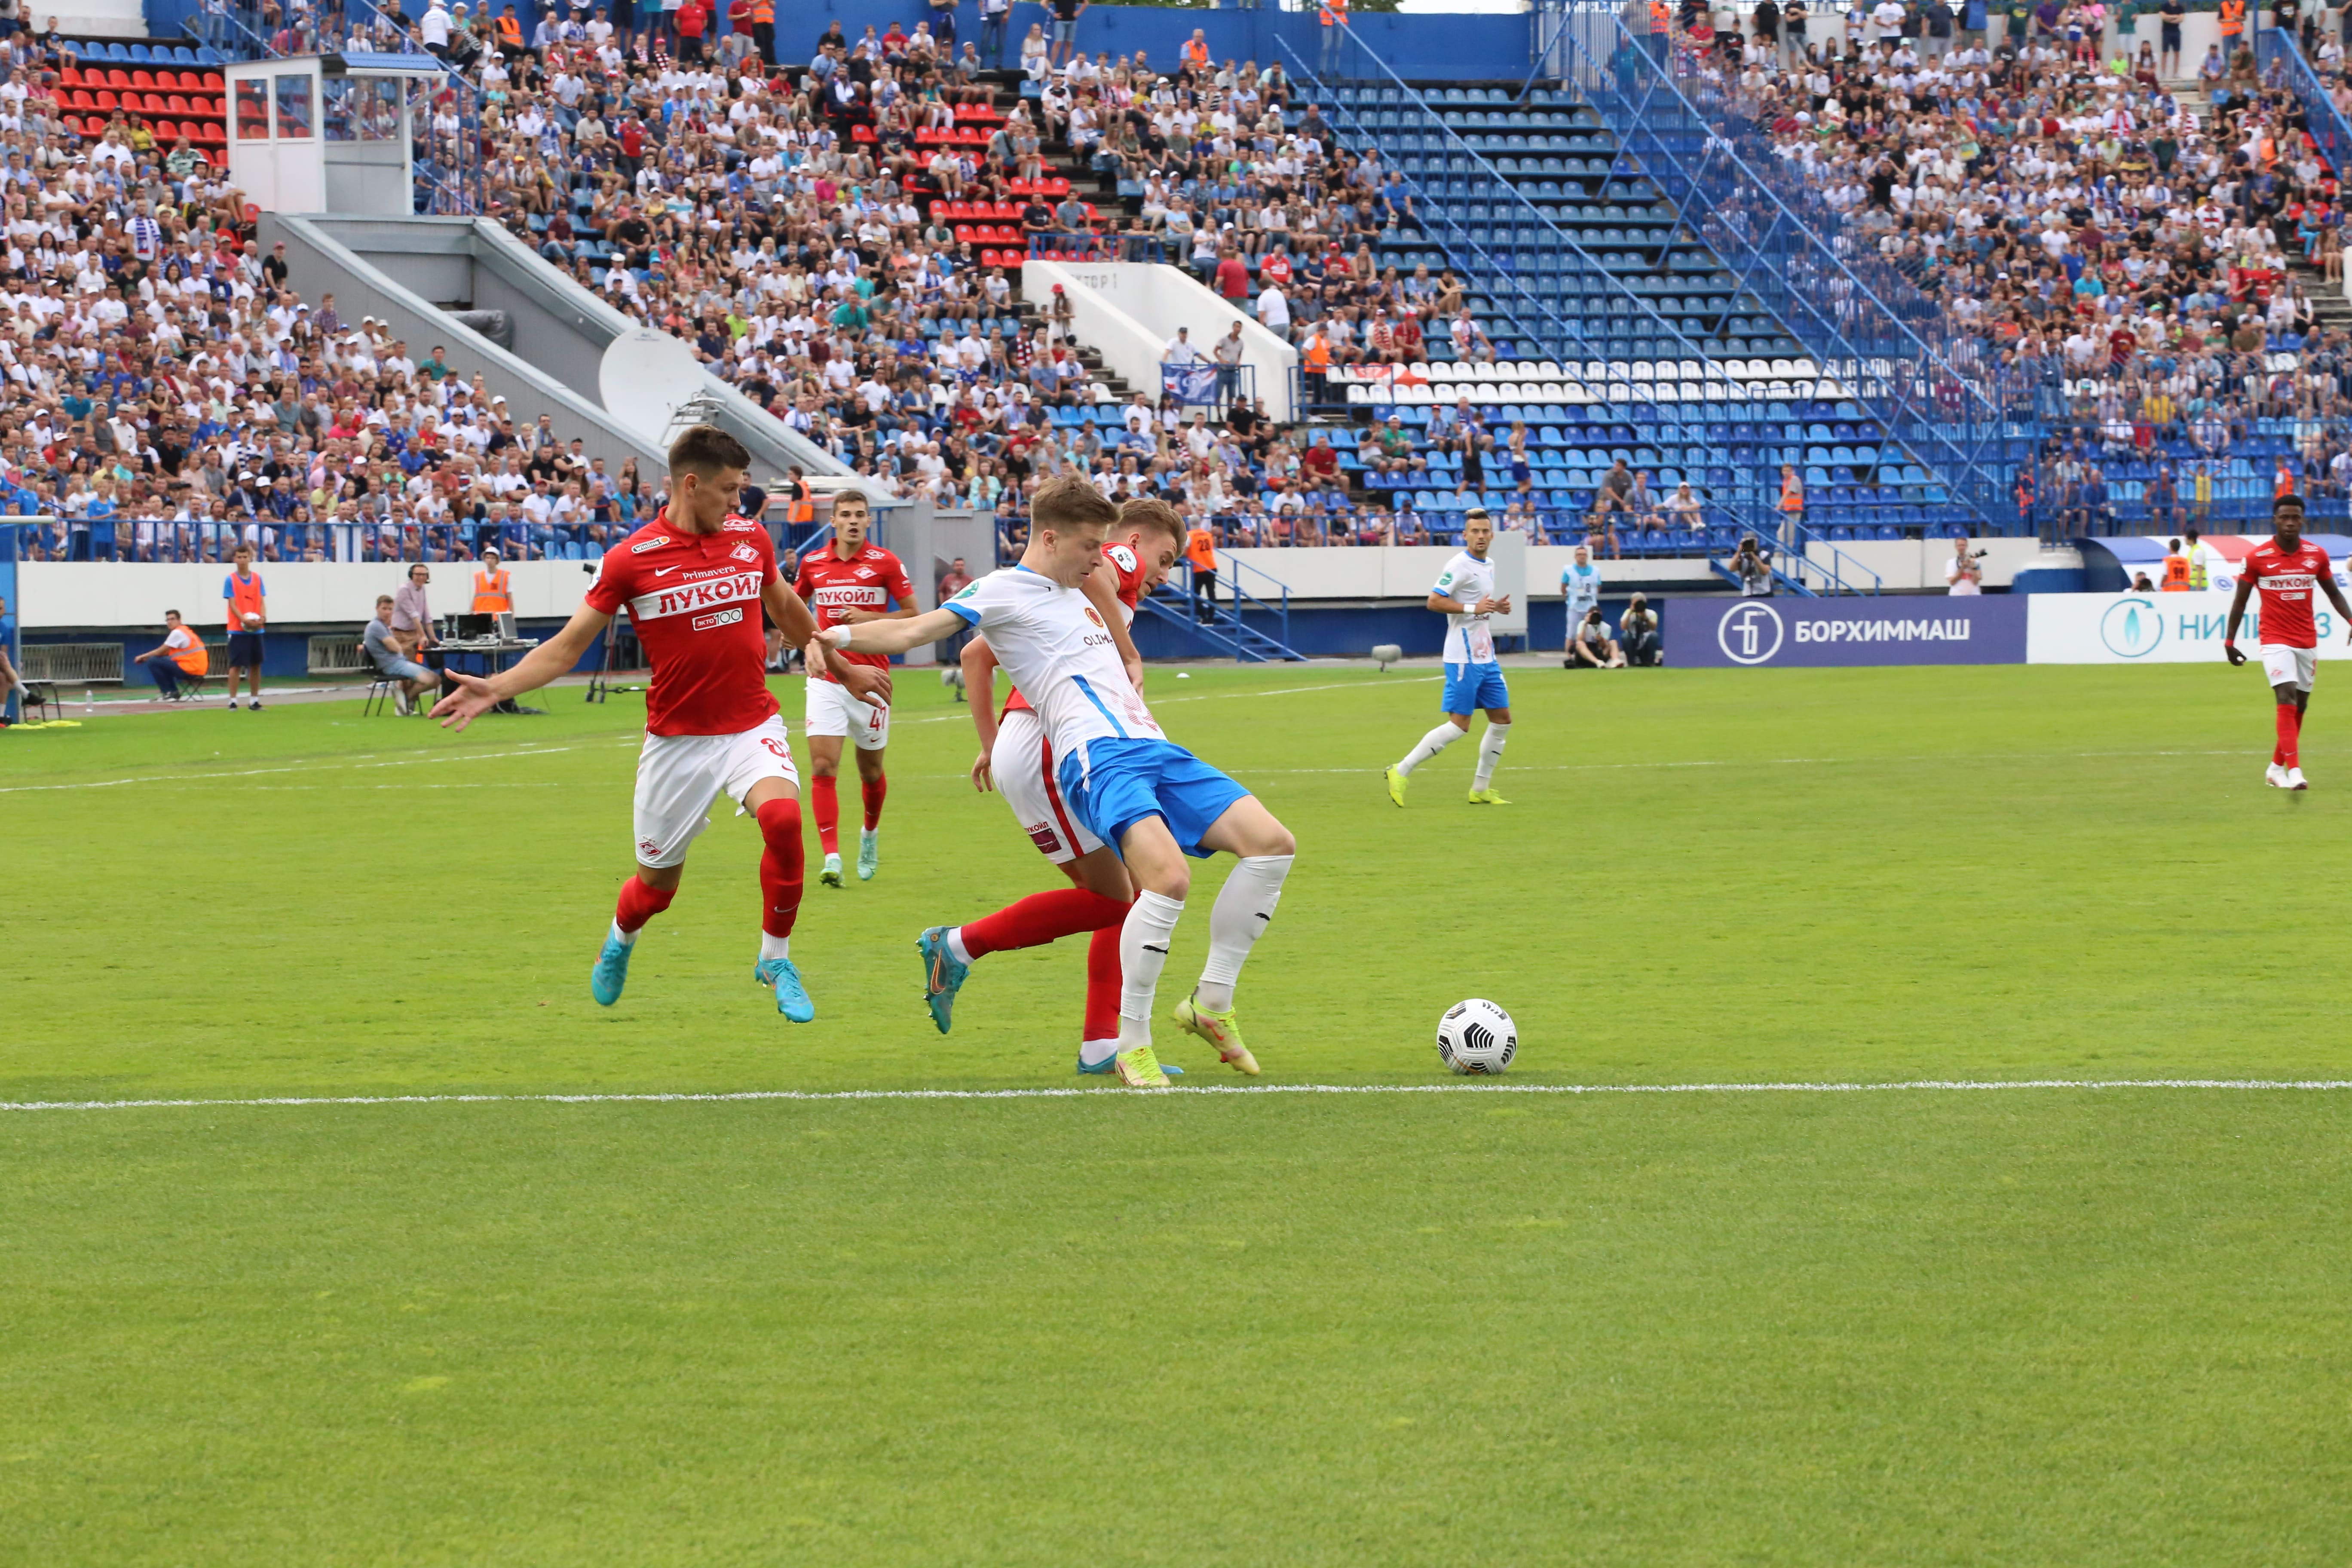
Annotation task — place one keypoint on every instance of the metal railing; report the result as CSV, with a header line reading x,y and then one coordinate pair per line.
x,y
125,539
1538,247
1933,385
2282,64
1207,385
1499,275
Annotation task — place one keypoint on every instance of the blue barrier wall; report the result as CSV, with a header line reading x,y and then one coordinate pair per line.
x,y
1432,49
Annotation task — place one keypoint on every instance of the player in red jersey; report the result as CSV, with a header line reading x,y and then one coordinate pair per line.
x,y
849,581
2286,570
1016,759
694,580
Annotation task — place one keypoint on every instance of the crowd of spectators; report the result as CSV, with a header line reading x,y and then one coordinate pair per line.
x,y
2136,272
840,238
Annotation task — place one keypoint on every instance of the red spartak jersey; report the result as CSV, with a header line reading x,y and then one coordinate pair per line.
x,y
870,580
694,602
2288,579
1127,567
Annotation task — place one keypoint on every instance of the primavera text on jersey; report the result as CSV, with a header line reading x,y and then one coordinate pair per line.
x,y
2288,579
694,602
870,580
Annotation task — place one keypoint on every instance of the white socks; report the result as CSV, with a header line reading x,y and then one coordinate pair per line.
x,y
1094,1053
1244,907
1490,752
1142,953
956,948
1437,740
626,938
774,947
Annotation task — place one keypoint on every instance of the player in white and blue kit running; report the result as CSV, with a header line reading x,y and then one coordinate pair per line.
x,y
1125,782
1465,595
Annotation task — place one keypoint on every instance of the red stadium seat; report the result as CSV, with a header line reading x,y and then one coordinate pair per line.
x,y
214,83
107,100
118,78
143,81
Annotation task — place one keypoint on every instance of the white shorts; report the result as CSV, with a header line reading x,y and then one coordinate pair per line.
x,y
831,710
2290,665
1024,763
679,775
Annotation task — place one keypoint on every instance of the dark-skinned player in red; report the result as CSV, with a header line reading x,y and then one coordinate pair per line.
x,y
2287,572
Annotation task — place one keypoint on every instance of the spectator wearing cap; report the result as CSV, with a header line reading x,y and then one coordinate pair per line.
x,y
493,585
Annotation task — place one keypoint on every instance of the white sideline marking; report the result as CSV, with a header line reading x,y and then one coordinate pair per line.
x,y
634,740
1914,1086
1369,684
322,768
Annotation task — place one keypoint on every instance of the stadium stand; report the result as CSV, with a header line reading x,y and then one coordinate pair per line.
x,y
1941,287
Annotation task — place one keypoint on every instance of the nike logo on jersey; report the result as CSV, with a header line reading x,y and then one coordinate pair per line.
x,y
664,570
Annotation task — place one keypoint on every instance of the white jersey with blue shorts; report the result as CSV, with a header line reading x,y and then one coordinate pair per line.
x,y
1474,678
1114,765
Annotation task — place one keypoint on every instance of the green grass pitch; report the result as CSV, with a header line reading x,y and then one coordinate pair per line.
x,y
2048,1325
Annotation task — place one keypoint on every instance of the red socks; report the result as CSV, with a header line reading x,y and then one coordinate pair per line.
x,y
1042,918
874,789
1103,974
824,804
640,904
779,866
2289,732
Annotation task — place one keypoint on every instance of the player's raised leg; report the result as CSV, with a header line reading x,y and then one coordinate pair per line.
x,y
646,894
1454,727
1097,898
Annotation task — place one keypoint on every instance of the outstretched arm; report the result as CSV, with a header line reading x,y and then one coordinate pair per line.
x,y
476,695
896,635
792,618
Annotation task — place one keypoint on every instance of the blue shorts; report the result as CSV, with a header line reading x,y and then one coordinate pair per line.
x,y
1470,687
1116,783
1065,31
245,650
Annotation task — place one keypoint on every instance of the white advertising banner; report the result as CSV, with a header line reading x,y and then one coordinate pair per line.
x,y
2143,628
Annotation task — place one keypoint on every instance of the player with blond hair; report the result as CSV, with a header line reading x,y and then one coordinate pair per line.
x,y
1120,779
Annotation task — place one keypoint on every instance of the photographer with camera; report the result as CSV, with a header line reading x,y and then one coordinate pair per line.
x,y
1962,573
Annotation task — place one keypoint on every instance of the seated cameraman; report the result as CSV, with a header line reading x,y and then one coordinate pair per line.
x,y
382,645
1591,647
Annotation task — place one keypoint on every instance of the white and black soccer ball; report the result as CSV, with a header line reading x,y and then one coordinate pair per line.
x,y
1476,1038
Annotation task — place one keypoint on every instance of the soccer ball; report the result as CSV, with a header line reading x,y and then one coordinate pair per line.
x,y
1476,1038
252,620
